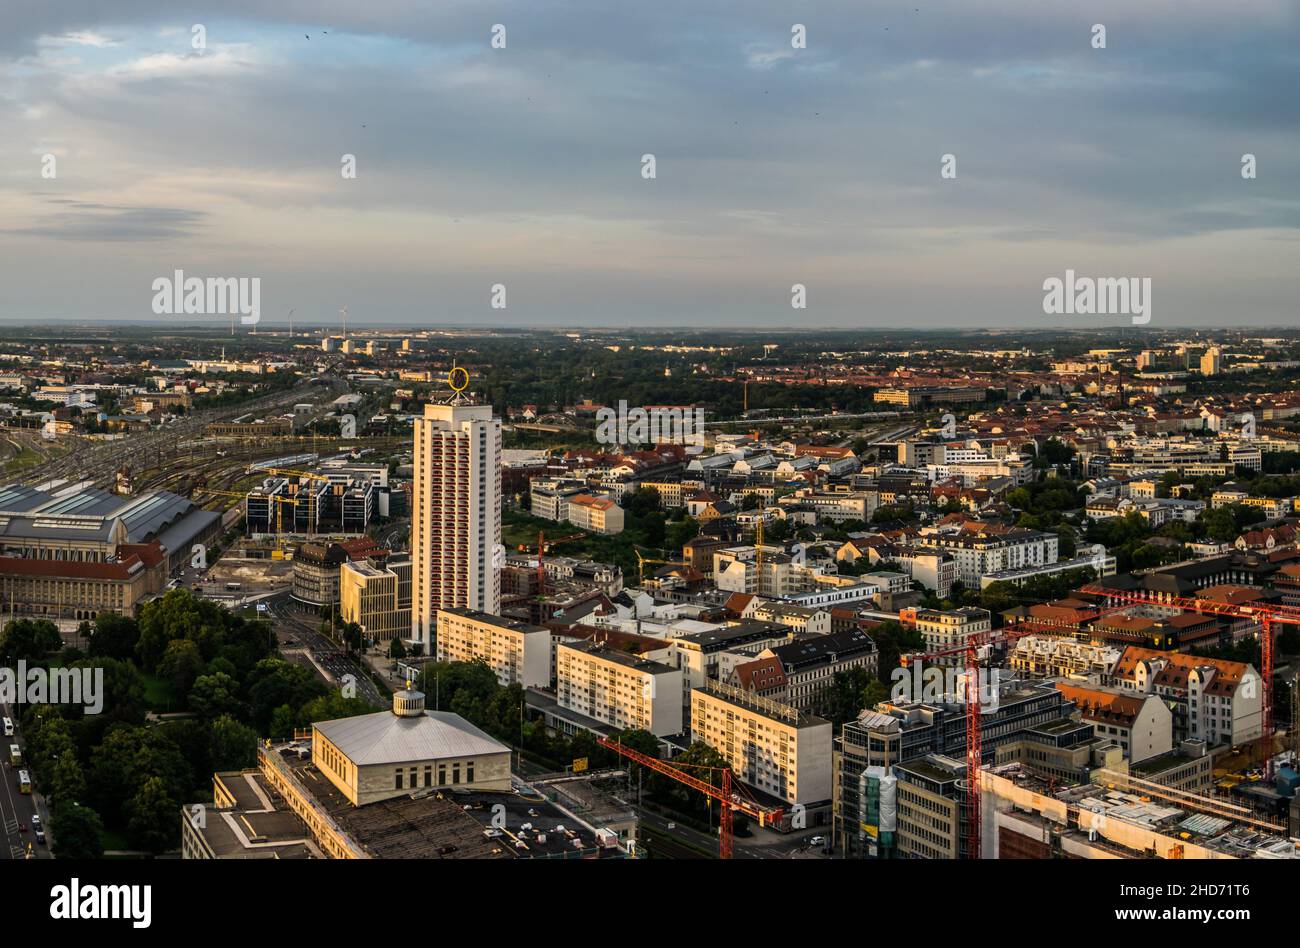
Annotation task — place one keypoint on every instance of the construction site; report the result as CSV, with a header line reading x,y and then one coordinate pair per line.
x,y
1119,816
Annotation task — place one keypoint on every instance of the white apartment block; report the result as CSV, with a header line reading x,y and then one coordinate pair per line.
x,y
618,689
838,507
892,583
1049,656
737,569
943,630
1094,558
974,471
1141,724
548,497
1213,700
799,618
977,556
598,514
770,746
936,570
455,514
519,653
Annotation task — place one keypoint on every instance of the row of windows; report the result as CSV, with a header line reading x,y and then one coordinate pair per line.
x,y
411,775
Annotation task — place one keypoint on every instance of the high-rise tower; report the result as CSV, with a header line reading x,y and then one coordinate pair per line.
x,y
455,514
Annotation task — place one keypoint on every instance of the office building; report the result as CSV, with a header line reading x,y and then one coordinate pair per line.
x,y
376,594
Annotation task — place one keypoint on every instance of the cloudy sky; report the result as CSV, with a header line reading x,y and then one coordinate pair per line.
x,y
522,166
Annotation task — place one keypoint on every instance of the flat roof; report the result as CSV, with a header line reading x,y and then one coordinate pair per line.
x,y
798,719
621,658
501,622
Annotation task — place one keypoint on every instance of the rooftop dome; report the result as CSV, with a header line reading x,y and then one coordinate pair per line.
x,y
408,703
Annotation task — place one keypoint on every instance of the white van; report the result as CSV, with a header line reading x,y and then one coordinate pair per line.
x,y
9,728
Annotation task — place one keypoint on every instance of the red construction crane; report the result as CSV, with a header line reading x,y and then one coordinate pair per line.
x,y
970,651
1267,614
728,798
542,546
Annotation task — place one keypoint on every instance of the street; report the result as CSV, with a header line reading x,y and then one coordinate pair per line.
x,y
17,809
297,631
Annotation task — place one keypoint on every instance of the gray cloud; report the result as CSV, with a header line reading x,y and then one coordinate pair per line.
x,y
774,166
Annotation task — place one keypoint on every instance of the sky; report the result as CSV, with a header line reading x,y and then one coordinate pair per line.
x,y
523,166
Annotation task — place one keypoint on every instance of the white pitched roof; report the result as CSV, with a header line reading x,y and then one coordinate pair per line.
x,y
385,737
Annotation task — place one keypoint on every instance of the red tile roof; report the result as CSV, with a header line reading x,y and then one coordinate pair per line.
x,y
1179,666
1102,706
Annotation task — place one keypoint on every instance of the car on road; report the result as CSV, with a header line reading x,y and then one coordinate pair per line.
x,y
817,841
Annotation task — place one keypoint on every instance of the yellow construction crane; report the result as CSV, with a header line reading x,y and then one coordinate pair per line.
x,y
641,561
758,548
284,472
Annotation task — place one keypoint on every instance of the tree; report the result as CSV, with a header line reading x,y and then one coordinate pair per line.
x,y
113,636
67,781
679,532
152,817
28,640
127,757
353,637
283,721
396,649
77,831
181,664
234,745
643,502
331,706
274,683
704,763
215,695
650,781
1065,545
177,615
892,640
122,697
847,695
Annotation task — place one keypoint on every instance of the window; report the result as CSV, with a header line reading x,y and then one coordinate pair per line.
x,y
398,784
469,772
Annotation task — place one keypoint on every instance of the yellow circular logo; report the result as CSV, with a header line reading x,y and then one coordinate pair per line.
x,y
458,375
